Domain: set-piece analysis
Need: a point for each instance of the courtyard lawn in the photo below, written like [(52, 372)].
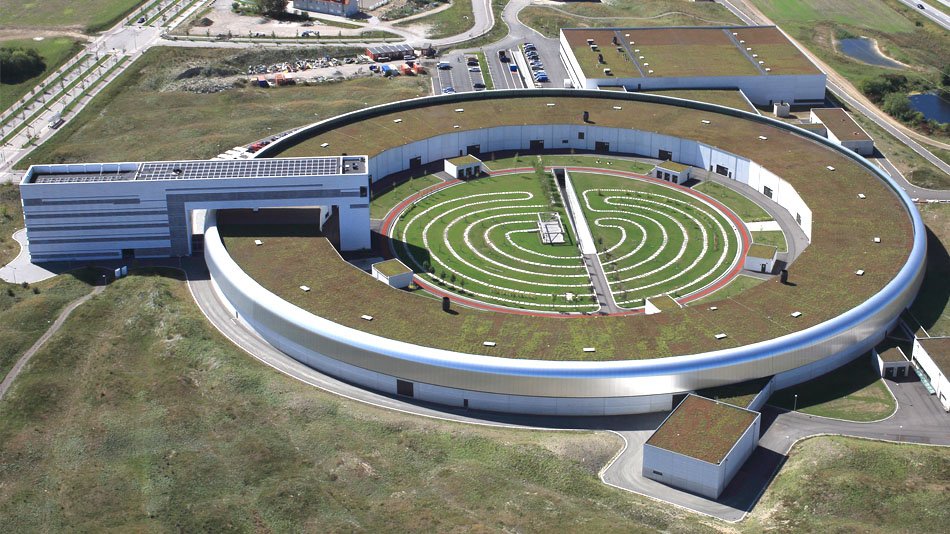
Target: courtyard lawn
[(854, 392), (481, 239), (775, 238), (650, 237), (572, 160), (54, 51), (746, 209), (387, 200)]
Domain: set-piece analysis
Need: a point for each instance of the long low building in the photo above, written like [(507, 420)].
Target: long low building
[(144, 210), (758, 60)]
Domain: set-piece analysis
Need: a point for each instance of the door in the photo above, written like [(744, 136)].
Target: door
[(536, 144), (415, 163), (722, 170), (474, 150), (601, 146), (665, 155), (404, 388)]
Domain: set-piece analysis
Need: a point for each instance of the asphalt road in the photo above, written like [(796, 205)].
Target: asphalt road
[(930, 12)]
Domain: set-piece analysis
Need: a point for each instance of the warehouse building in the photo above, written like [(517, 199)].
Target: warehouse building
[(932, 356), (340, 8), (758, 60), (841, 128), (701, 446), (389, 52), (146, 210)]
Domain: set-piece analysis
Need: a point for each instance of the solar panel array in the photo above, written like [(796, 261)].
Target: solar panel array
[(66, 178), (252, 168)]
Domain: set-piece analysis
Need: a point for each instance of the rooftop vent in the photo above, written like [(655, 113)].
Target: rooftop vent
[(763, 138), (258, 242), (704, 121), (324, 145), (488, 343), (455, 126), (721, 336), (551, 104), (796, 314), (859, 272), (646, 64), (459, 110), (607, 72), (305, 289), (877, 239), (713, 308), (650, 71), (767, 69), (366, 317), (618, 107), (590, 349), (862, 196), (397, 121), (830, 168)]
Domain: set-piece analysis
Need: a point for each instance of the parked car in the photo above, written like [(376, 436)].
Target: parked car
[(478, 86), (444, 65), (448, 90), (474, 69)]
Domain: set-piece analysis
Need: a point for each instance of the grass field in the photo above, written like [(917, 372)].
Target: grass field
[(932, 307), (817, 24), (55, 52), (836, 484), (121, 123), (572, 160), (775, 238), (387, 200), (164, 425), (26, 312), (453, 21), (548, 20), (653, 240), (747, 210), (854, 392), (85, 15)]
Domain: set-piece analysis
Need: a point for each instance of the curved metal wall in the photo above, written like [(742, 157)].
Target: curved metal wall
[(822, 346)]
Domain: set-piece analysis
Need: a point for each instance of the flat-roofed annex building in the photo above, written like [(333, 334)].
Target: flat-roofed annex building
[(701, 445), (116, 210), (841, 128), (758, 60)]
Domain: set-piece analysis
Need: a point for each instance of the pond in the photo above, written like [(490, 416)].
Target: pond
[(863, 49), (932, 106)]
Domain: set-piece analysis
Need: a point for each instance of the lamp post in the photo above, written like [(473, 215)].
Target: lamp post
[(795, 406)]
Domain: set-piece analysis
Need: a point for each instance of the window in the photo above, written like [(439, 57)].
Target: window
[(665, 155), (580, 135), (798, 218), (404, 388), (720, 169), (767, 191), (658, 473)]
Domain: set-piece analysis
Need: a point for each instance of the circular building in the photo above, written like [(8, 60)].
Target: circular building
[(862, 267)]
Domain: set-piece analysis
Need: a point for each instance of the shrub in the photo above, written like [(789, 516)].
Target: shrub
[(19, 64)]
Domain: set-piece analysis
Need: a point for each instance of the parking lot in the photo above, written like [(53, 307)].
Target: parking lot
[(458, 76)]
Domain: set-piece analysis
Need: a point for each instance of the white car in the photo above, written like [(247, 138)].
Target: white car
[(474, 69)]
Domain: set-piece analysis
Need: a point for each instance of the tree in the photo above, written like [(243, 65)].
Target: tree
[(271, 7), (897, 105), (20, 64)]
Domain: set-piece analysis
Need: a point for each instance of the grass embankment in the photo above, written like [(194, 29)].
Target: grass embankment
[(88, 15), (854, 392), (387, 200), (733, 288), (747, 210), (27, 312), (549, 20), (11, 220), (455, 20), (836, 484), (54, 51), (775, 238), (932, 307), (486, 72), (122, 124), (164, 425)]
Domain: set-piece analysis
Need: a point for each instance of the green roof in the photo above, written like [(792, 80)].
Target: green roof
[(464, 160), (702, 428), (672, 166), (665, 303), (391, 267), (938, 348), (757, 250), (825, 284), (676, 52), (723, 97)]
